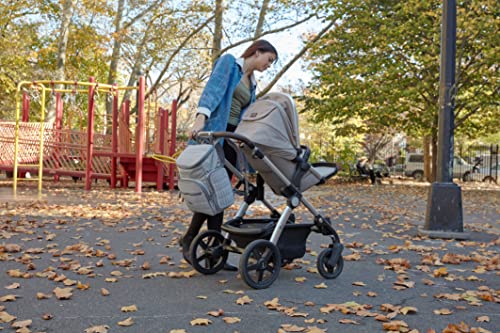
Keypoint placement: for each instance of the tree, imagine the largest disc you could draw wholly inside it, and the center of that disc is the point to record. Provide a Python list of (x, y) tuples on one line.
[(381, 65), (170, 42), (17, 55)]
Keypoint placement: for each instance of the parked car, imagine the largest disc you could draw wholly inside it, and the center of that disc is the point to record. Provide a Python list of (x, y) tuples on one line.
[(414, 167)]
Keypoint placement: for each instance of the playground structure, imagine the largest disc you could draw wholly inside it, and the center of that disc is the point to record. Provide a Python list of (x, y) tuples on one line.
[(135, 150)]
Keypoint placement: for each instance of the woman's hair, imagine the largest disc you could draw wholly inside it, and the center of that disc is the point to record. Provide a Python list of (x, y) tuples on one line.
[(260, 45)]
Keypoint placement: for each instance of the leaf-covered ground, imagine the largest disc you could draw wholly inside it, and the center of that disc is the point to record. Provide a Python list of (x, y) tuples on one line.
[(108, 261)]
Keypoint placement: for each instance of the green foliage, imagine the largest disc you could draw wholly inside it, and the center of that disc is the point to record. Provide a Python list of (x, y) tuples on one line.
[(381, 64)]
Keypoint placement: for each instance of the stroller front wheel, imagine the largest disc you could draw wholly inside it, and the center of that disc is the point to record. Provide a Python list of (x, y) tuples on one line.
[(260, 264), (208, 255), (327, 270)]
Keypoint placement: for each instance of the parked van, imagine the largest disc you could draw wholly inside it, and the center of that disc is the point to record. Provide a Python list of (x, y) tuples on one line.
[(414, 167)]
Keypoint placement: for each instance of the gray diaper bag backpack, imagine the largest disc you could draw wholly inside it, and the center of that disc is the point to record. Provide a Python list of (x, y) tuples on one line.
[(203, 181)]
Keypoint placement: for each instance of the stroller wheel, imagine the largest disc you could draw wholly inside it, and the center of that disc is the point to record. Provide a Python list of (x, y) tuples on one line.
[(326, 269), (260, 264), (208, 255)]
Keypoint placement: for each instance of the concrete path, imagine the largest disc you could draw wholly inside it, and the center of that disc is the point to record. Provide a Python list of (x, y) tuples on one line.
[(117, 253)]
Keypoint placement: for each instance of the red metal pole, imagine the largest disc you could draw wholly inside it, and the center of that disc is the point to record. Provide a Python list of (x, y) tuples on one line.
[(114, 137), (59, 110), (173, 144), (90, 136), (26, 107), (126, 146), (159, 165), (139, 142)]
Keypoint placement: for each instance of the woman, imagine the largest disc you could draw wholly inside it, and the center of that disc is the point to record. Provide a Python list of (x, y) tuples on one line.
[(228, 92)]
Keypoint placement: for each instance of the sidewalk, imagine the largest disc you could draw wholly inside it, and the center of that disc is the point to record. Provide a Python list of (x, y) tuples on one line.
[(108, 261)]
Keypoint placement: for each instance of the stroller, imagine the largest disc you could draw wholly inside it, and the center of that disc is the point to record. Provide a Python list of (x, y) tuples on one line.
[(268, 138)]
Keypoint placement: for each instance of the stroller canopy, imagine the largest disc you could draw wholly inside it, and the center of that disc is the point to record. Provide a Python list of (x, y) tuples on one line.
[(272, 123)]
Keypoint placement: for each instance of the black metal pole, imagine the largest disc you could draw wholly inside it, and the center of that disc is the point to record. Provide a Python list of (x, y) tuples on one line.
[(444, 218)]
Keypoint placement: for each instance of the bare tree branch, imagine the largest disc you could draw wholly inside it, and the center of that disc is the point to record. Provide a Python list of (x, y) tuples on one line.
[(269, 32), (297, 57), (262, 18), (141, 14), (172, 56)]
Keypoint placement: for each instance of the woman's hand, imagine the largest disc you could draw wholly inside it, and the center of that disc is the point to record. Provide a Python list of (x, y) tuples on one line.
[(198, 124)]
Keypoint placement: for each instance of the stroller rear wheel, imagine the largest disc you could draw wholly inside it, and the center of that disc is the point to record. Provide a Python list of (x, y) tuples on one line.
[(208, 255), (327, 270), (260, 264)]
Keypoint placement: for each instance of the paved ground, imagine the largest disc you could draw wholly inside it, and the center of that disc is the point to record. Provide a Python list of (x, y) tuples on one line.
[(124, 245)]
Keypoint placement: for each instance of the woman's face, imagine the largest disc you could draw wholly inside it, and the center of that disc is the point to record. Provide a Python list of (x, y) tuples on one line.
[(264, 60)]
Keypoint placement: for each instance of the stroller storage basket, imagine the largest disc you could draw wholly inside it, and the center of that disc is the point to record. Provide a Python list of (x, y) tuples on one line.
[(244, 231), (292, 243)]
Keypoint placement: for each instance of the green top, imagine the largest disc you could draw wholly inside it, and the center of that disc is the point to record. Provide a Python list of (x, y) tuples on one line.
[(241, 98)]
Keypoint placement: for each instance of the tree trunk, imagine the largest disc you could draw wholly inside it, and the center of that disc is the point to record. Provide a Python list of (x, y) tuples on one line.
[(427, 159), (67, 14), (115, 58), (217, 42)]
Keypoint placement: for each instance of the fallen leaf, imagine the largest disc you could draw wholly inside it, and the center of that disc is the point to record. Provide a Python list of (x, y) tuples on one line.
[(82, 286), (47, 316), (359, 284), (408, 309), (11, 248), (428, 282), (129, 308), (217, 313), (440, 272), (348, 321), (42, 296), (15, 273), (231, 320), (272, 304), (244, 300), (127, 322), (483, 319), (63, 293), (6, 317), (23, 330), (321, 286), (105, 292), (404, 284), (200, 322), (381, 317), (8, 298), (23, 323), (396, 325), (443, 311), (15, 285)]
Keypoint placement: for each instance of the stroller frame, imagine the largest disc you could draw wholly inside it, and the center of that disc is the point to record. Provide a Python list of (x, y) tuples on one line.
[(266, 244)]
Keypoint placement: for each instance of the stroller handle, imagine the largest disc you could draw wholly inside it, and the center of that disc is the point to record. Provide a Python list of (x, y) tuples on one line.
[(215, 135)]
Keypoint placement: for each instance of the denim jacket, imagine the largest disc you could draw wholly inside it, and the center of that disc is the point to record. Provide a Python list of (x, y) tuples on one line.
[(215, 101)]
